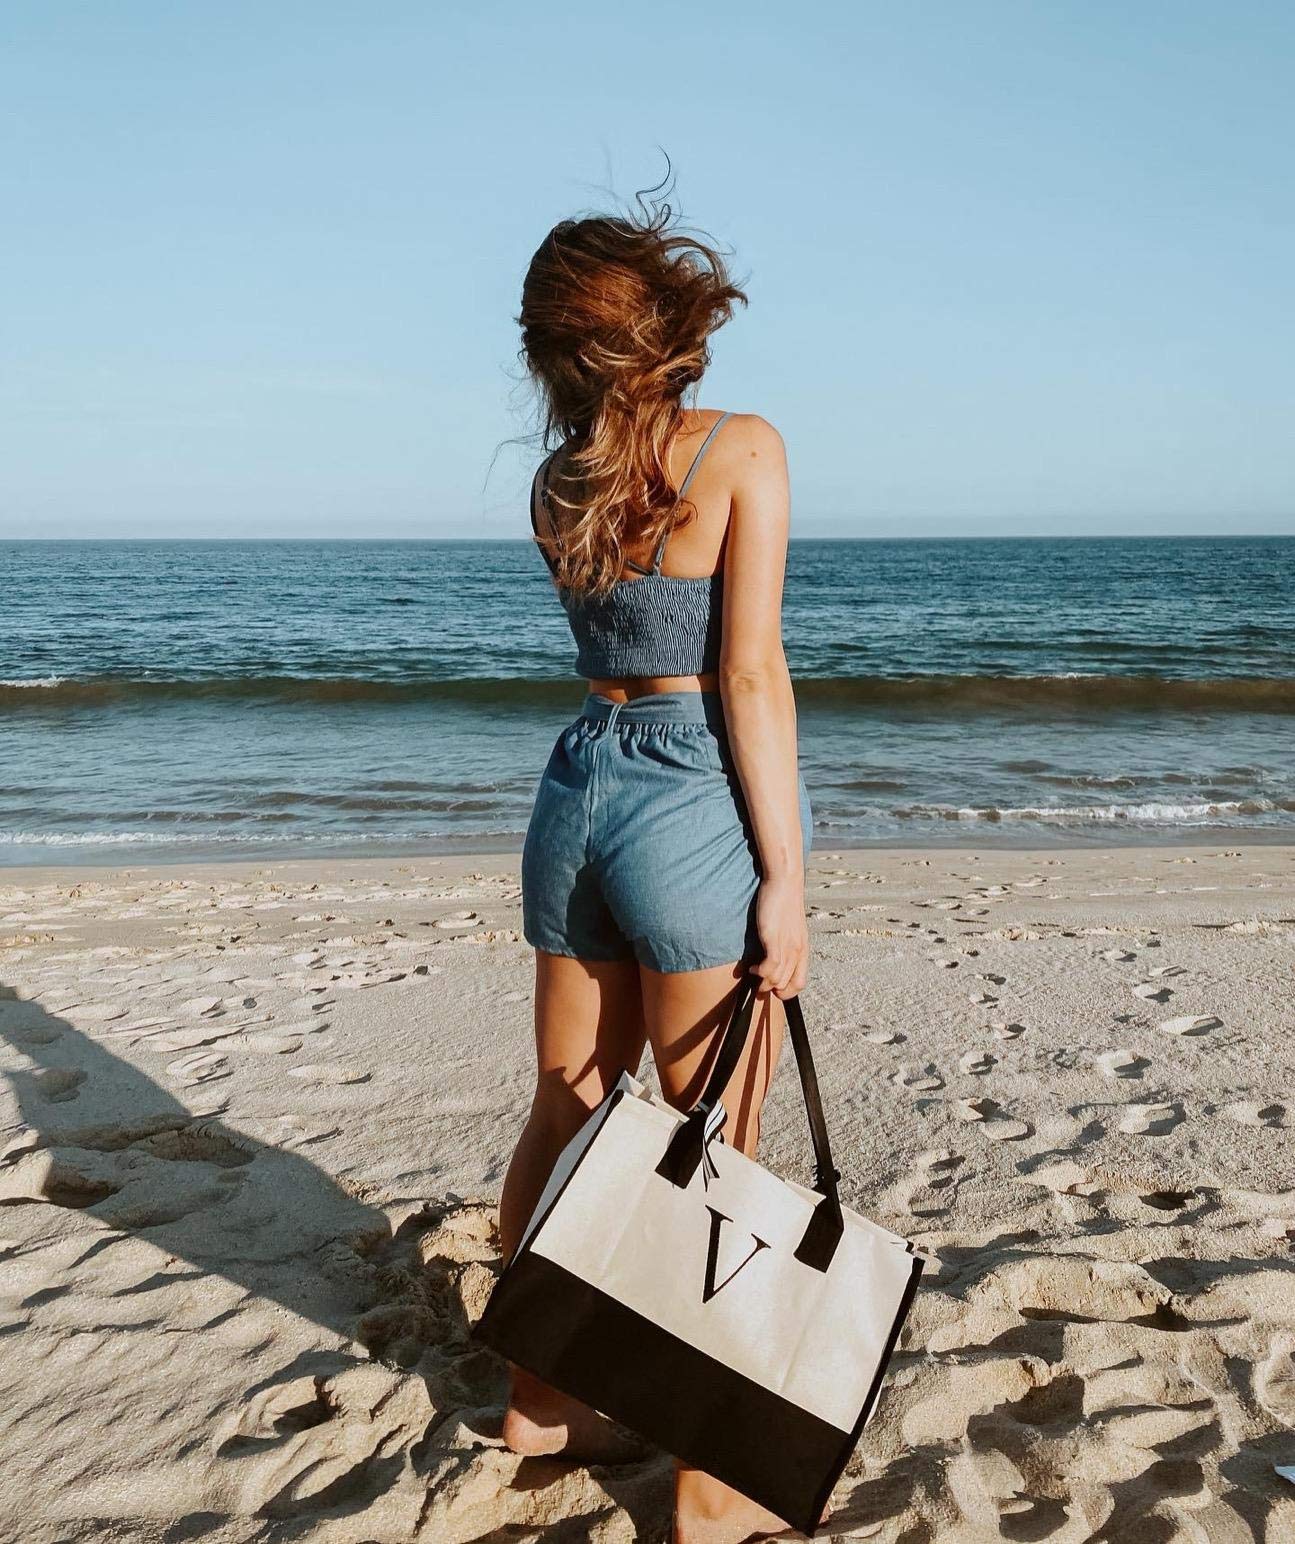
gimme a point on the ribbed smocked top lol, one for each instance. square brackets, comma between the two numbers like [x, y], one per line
[654, 626]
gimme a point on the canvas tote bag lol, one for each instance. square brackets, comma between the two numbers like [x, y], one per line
[739, 1321]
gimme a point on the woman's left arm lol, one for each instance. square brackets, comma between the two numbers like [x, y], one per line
[759, 707]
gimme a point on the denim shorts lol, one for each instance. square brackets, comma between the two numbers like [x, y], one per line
[640, 845]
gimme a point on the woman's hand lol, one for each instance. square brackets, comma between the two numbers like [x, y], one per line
[780, 920]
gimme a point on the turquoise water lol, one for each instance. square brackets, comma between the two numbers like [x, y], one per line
[237, 698]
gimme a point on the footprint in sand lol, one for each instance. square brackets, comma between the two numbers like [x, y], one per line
[32, 1034]
[1004, 1031]
[924, 1079]
[334, 1073]
[1150, 1120]
[1151, 992]
[1199, 1025]
[1275, 1380]
[981, 999]
[929, 1189]
[1063, 1179]
[300, 1027]
[58, 1084]
[198, 1067]
[269, 1044]
[199, 1143]
[207, 1106]
[1167, 1200]
[355, 981]
[199, 1034]
[977, 1063]
[297, 1131]
[884, 1037]
[456, 920]
[86, 1014]
[142, 1025]
[992, 1119]
[201, 1007]
[1122, 1063]
[1118, 956]
[1251, 1112]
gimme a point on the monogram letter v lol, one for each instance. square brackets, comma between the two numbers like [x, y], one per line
[717, 1221]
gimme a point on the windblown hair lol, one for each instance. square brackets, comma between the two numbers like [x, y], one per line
[616, 319]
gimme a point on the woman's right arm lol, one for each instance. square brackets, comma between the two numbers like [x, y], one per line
[759, 707]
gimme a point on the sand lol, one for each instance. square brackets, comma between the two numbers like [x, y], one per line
[254, 1118]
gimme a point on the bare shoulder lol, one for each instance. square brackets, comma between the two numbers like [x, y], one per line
[753, 450]
[752, 434]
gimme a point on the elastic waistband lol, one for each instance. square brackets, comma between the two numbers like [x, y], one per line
[658, 708]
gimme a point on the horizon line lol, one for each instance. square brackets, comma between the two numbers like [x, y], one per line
[1231, 535]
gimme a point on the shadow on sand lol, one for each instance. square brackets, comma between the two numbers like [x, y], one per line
[85, 1131]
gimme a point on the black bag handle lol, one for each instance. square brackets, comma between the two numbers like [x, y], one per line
[686, 1150]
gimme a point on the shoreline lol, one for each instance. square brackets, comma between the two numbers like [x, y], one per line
[94, 859]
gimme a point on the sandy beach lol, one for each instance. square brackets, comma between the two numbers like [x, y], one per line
[255, 1118]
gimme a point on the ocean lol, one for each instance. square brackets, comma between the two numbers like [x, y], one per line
[260, 699]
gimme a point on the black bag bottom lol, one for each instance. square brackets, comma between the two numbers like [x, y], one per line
[595, 1349]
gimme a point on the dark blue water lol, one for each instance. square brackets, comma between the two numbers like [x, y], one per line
[248, 698]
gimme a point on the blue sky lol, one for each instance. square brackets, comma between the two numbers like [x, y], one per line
[1014, 267]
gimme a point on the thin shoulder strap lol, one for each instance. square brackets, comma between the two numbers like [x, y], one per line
[539, 494]
[659, 556]
[700, 456]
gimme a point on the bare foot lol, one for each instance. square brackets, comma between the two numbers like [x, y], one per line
[710, 1512]
[540, 1422]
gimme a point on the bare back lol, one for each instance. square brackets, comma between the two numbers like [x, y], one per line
[695, 549]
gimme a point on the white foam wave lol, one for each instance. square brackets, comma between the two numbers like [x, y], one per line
[259, 839]
[33, 682]
[1151, 812]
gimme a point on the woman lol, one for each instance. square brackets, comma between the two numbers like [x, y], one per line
[666, 850]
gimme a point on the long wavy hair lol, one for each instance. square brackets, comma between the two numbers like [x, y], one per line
[617, 314]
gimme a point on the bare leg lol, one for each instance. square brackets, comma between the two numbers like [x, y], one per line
[683, 1012]
[588, 1030]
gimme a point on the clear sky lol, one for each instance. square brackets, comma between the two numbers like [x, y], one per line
[1013, 267]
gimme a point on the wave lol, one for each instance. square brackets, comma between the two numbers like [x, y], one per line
[219, 839]
[1067, 693]
[868, 823]
[1150, 812]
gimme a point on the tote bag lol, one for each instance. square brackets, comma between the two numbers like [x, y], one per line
[740, 1321]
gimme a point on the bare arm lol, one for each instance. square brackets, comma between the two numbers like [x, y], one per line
[758, 703]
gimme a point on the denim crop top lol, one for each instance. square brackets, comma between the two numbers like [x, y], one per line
[654, 626]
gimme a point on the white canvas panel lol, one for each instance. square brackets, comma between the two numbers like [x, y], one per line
[714, 1264]
[571, 1155]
